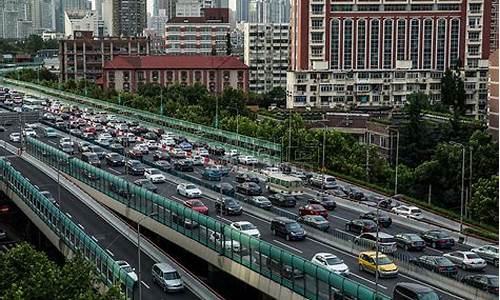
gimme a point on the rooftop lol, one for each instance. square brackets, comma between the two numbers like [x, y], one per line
[175, 62]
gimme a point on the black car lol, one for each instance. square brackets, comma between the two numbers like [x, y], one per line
[114, 159]
[97, 150]
[249, 188]
[413, 291]
[184, 222]
[410, 241]
[354, 193]
[161, 155]
[359, 226]
[218, 151]
[383, 219]
[150, 136]
[438, 264]
[246, 177]
[259, 201]
[91, 158]
[49, 197]
[438, 239]
[225, 188]
[283, 200]
[326, 201]
[289, 229]
[228, 206]
[116, 147]
[184, 165]
[284, 270]
[302, 175]
[146, 184]
[483, 282]
[134, 167]
[315, 221]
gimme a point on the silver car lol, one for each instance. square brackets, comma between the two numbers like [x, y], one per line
[488, 253]
[167, 277]
[467, 260]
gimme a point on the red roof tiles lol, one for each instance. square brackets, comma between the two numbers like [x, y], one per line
[175, 62]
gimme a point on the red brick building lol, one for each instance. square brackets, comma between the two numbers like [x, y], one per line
[125, 73]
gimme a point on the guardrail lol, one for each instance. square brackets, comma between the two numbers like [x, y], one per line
[72, 236]
[270, 261]
[265, 150]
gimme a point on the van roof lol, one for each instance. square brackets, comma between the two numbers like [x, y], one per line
[283, 219]
[165, 267]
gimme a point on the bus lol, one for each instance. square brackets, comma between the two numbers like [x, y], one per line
[284, 184]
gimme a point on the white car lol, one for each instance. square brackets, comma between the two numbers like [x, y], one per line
[65, 140]
[29, 132]
[488, 253]
[216, 238]
[168, 142]
[197, 160]
[152, 145]
[203, 152]
[232, 153]
[247, 160]
[178, 153]
[188, 190]
[411, 212]
[105, 136]
[467, 260]
[270, 170]
[154, 175]
[142, 147]
[246, 228]
[15, 137]
[128, 269]
[331, 262]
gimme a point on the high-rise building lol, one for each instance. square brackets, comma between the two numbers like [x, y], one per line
[376, 53]
[493, 95]
[494, 26]
[187, 8]
[124, 17]
[266, 55]
[83, 20]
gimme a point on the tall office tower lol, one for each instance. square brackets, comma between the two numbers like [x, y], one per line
[168, 6]
[377, 53]
[43, 15]
[10, 18]
[125, 17]
[187, 8]
[268, 11]
[494, 26]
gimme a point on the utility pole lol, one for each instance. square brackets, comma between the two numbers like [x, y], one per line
[397, 164]
[289, 135]
[368, 157]
[470, 178]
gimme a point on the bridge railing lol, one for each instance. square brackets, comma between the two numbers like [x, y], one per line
[275, 263]
[72, 235]
[264, 150]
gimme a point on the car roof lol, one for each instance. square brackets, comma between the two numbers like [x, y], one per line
[325, 254]
[415, 287]
[380, 234]
[283, 219]
[164, 267]
[373, 254]
[242, 222]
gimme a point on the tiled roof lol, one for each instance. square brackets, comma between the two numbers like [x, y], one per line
[175, 62]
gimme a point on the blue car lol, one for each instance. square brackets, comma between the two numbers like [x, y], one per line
[212, 174]
[185, 146]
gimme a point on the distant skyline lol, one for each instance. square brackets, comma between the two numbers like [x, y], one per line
[149, 6]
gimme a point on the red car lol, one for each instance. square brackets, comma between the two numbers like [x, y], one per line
[313, 209]
[197, 206]
[135, 154]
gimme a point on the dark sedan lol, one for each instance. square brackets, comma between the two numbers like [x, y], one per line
[438, 264]
[146, 184]
[246, 177]
[283, 200]
[118, 148]
[410, 241]
[260, 201]
[135, 154]
[228, 206]
[383, 219]
[355, 194]
[483, 282]
[184, 165]
[359, 226]
[115, 159]
[326, 201]
[161, 155]
[249, 188]
[438, 239]
[317, 222]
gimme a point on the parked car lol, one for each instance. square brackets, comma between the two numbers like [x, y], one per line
[383, 219]
[386, 242]
[283, 200]
[438, 239]
[287, 228]
[467, 260]
[331, 262]
[246, 228]
[196, 205]
[372, 262]
[228, 206]
[411, 212]
[260, 201]
[155, 175]
[146, 184]
[188, 190]
[134, 167]
[488, 253]
[183, 165]
[315, 221]
[249, 188]
[359, 226]
[413, 291]
[438, 264]
[313, 209]
[409, 241]
[483, 282]
[167, 277]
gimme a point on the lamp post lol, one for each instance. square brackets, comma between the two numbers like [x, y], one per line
[323, 158]
[376, 252]
[139, 249]
[397, 164]
[462, 188]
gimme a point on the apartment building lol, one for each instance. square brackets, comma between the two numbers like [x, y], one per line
[376, 53]
[266, 55]
[493, 95]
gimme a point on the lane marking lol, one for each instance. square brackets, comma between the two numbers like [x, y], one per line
[94, 238]
[69, 215]
[340, 218]
[52, 142]
[176, 198]
[142, 281]
[80, 225]
[115, 171]
[222, 218]
[367, 280]
[110, 253]
[287, 246]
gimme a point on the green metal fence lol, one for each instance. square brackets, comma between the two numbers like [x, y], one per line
[292, 271]
[72, 236]
[264, 150]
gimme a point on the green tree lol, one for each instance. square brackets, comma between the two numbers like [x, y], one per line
[229, 45]
[453, 92]
[484, 203]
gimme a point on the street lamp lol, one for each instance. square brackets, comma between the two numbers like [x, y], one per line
[376, 251]
[462, 188]
[139, 249]
[397, 164]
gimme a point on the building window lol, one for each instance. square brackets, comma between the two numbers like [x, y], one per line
[111, 76]
[475, 8]
[348, 44]
[387, 44]
[441, 38]
[317, 37]
[317, 24]
[154, 75]
[140, 75]
[197, 76]
[427, 44]
[226, 76]
[183, 75]
[454, 42]
[414, 36]
[240, 75]
[374, 43]
[126, 76]
[334, 57]
[360, 63]
[317, 9]
[211, 75]
[169, 75]
[401, 50]
[316, 51]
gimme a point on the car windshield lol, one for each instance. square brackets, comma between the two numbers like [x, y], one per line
[154, 172]
[330, 179]
[413, 237]
[384, 260]
[171, 276]
[197, 203]
[427, 296]
[293, 226]
[472, 256]
[230, 202]
[493, 281]
[387, 240]
[127, 268]
[190, 187]
[415, 211]
[443, 261]
[318, 219]
[442, 235]
[247, 226]
[333, 260]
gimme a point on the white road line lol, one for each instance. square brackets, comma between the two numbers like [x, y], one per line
[222, 218]
[340, 218]
[287, 246]
[142, 281]
[52, 142]
[80, 225]
[176, 198]
[115, 171]
[367, 280]
[69, 215]
[110, 253]
[94, 238]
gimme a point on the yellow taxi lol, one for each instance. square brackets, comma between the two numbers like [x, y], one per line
[386, 267]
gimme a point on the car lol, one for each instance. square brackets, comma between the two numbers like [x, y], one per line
[413, 291]
[283, 200]
[411, 212]
[185, 146]
[15, 137]
[184, 221]
[410, 241]
[326, 182]
[188, 190]
[488, 253]
[134, 167]
[123, 265]
[247, 160]
[178, 153]
[196, 205]
[326, 201]
[283, 269]
[354, 193]
[116, 147]
[161, 155]
[155, 175]
[438, 239]
[83, 146]
[270, 170]
[381, 219]
[467, 260]
[167, 277]
[67, 147]
[211, 173]
[259, 201]
[313, 209]
[202, 152]
[483, 282]
[225, 188]
[197, 160]
[146, 184]
[373, 262]
[48, 132]
[223, 169]
[228, 206]
[287, 228]
[217, 151]
[114, 159]
[135, 154]
[228, 245]
[304, 176]
[331, 262]
[246, 177]
[438, 264]
[183, 165]
[143, 148]
[315, 221]
[359, 226]
[90, 158]
[386, 242]
[97, 150]
[246, 228]
[49, 197]
[29, 132]
[249, 188]
[152, 145]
